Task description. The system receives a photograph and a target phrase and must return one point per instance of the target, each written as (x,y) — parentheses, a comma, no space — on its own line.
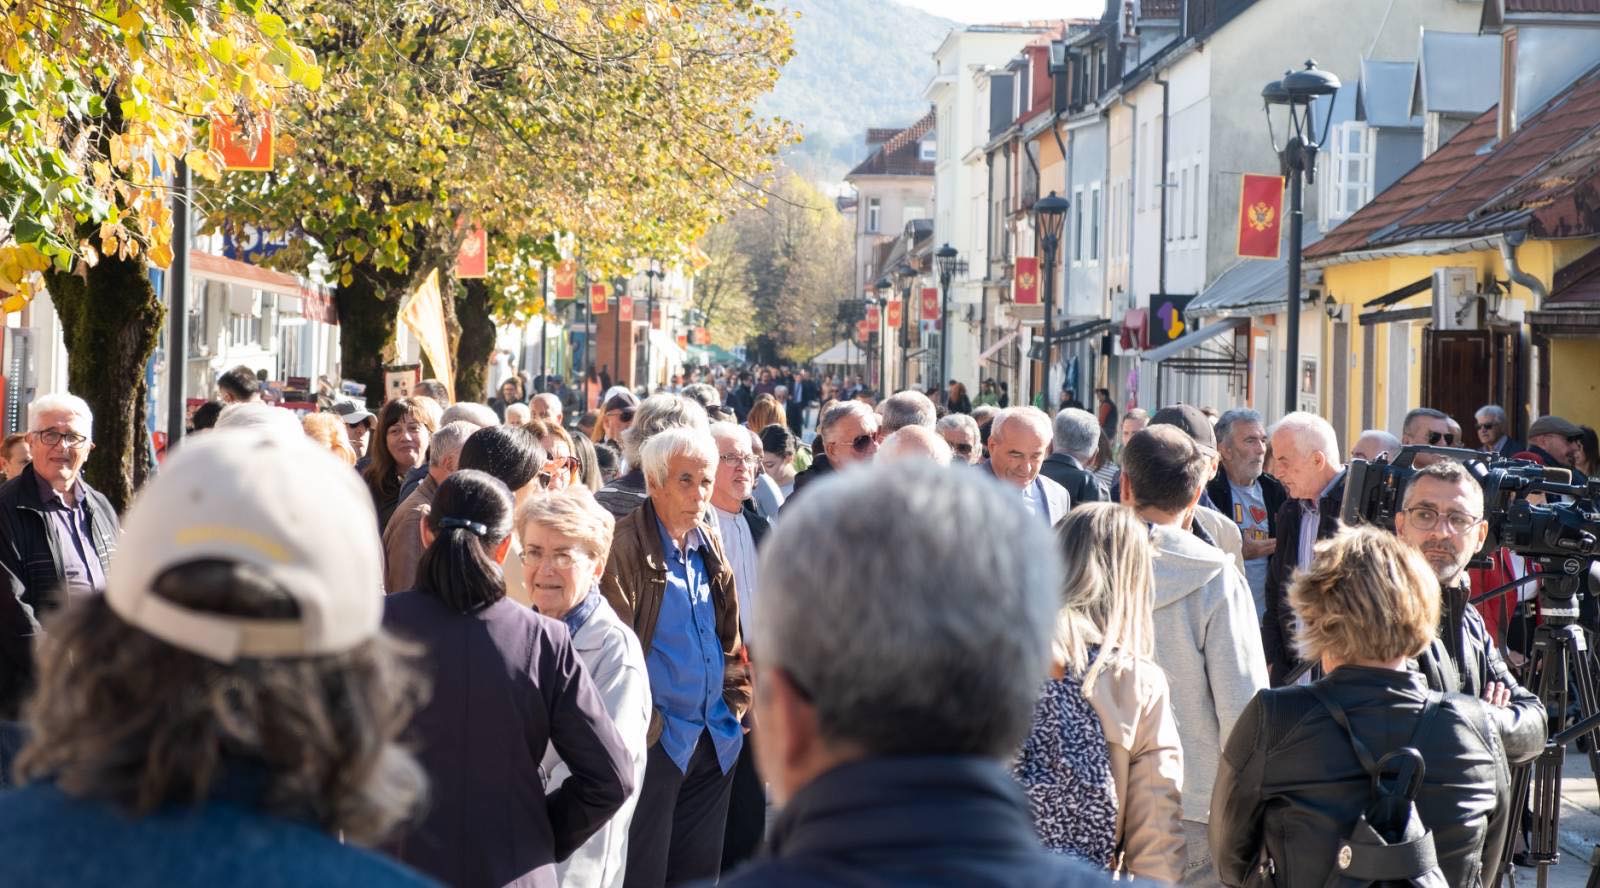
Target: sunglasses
(626,413)
(1486,426)
(864,443)
(566,465)
(1445,437)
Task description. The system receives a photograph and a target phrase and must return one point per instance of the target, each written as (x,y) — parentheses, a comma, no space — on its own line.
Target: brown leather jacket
(635,579)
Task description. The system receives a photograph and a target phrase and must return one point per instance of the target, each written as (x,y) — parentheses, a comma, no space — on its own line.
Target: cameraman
(1443,518)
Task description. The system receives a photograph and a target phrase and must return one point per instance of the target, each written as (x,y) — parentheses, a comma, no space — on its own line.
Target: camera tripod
(1560,663)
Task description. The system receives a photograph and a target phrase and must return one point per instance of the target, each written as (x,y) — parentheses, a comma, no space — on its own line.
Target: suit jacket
(1273,494)
(1057,500)
(1080,483)
(1277,626)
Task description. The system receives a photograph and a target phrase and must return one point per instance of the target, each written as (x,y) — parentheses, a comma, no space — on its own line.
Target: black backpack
(1389,846)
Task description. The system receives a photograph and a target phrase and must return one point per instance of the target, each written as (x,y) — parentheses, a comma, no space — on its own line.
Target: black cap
(1190,420)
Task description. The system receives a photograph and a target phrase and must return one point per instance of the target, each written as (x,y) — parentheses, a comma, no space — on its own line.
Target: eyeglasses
(1424,518)
(566,465)
(864,443)
(734,459)
(1446,437)
(963,449)
(1486,426)
(560,559)
(51,437)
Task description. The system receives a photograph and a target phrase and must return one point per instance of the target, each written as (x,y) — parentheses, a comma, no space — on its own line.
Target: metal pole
(616,341)
(944,330)
(178,306)
(905,335)
(649,323)
(1291,381)
(544,323)
(1049,308)
(588,357)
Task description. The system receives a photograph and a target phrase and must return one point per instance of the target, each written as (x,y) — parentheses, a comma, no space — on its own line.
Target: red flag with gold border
(566,280)
(861,331)
(872,318)
(472,260)
(625,310)
(683,340)
(1025,288)
(893,313)
(1260,216)
(930,304)
(702,336)
(598,302)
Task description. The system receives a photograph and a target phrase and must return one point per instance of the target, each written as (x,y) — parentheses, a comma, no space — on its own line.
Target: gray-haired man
(1077,437)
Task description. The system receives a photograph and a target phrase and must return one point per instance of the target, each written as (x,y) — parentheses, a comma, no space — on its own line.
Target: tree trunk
(477,340)
(110,317)
(368,314)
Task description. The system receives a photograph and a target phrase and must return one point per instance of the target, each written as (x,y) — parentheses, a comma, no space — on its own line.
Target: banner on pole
(930,304)
(625,310)
(566,280)
(872,318)
(239,152)
(1260,216)
(424,314)
(894,314)
(599,303)
(702,336)
(1026,287)
(472,260)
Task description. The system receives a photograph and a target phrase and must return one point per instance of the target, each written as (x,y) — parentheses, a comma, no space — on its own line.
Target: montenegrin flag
(1027,280)
(625,310)
(894,314)
(598,301)
(566,280)
(930,304)
(872,318)
(1260,216)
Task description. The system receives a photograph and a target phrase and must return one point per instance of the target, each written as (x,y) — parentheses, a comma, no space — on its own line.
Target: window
(874,215)
(1194,207)
(1168,201)
(1077,226)
(929,150)
(1094,223)
(1349,188)
(1142,147)
(1185,194)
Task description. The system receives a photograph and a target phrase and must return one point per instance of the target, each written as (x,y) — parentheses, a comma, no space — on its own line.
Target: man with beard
(1244,492)
(1443,518)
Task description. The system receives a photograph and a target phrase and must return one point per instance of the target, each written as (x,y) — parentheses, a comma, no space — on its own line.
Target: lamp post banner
(598,299)
(1026,290)
(1260,216)
(872,318)
(930,303)
(566,280)
(893,312)
(625,310)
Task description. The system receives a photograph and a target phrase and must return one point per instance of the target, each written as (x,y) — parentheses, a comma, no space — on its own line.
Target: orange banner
(930,304)
(872,318)
(655,318)
(702,336)
(861,331)
(683,340)
(566,279)
(237,151)
(472,260)
(598,302)
(1026,290)
(625,310)
(894,314)
(1260,216)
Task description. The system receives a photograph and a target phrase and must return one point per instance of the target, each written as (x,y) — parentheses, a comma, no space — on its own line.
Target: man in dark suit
(1019,439)
(743,396)
(1305,452)
(1494,431)
(1077,437)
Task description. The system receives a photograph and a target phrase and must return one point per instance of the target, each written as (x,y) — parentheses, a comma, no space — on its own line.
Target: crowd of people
(758,628)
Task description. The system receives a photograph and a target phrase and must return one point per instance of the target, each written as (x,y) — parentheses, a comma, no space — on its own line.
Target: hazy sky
(970,11)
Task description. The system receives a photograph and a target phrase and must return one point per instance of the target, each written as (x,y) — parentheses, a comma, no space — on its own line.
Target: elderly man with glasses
(56,532)
(850,434)
(1494,431)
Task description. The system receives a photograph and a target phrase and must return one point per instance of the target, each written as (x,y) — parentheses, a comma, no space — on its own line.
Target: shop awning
(1075,332)
(1135,332)
(1393,296)
(1198,337)
(1001,343)
(842,353)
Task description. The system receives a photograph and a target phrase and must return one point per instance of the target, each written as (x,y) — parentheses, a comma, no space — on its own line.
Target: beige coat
(1132,700)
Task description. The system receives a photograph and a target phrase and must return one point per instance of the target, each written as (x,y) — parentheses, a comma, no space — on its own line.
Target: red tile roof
(1537,179)
(901,154)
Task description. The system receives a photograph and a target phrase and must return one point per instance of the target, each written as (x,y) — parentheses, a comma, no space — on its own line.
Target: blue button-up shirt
(81,570)
(685,662)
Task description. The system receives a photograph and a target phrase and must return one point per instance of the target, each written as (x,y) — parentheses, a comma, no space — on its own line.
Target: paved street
(1580,826)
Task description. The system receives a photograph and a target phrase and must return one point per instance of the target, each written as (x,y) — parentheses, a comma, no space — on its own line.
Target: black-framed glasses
(1426,518)
(733,459)
(1447,438)
(51,437)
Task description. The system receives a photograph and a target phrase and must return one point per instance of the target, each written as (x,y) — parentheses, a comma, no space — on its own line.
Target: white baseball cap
(262,497)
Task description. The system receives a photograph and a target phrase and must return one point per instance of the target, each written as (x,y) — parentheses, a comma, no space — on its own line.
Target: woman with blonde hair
(1104,671)
(328,430)
(1299,773)
(766,411)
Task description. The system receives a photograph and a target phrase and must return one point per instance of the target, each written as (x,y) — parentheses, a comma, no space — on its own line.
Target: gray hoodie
(1209,644)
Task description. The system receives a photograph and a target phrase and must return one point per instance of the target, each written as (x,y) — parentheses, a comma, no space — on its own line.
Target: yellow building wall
(1575,379)
(1355,283)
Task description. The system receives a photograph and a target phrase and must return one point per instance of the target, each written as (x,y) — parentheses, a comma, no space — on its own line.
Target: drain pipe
(1508,255)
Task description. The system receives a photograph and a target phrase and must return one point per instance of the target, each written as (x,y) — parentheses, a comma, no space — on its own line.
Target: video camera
(1561,534)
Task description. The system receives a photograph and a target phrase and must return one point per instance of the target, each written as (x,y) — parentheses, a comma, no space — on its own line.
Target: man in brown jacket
(668,578)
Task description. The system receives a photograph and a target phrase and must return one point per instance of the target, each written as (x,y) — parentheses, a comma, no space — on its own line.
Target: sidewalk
(1580,825)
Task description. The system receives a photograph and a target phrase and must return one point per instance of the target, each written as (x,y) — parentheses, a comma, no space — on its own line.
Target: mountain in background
(857,64)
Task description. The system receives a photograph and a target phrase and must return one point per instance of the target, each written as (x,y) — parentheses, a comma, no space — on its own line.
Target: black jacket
(1290,781)
(925,821)
(1277,625)
(1464,659)
(1273,495)
(1081,484)
(741,399)
(758,525)
(30,554)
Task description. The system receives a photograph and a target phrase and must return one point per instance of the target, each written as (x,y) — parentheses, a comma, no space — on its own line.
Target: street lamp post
(651,273)
(1297,158)
(948,265)
(1049,214)
(907,275)
(619,287)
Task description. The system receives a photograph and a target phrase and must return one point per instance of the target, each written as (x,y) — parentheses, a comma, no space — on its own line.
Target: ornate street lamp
(652,272)
(945,259)
(1049,214)
(906,275)
(1297,158)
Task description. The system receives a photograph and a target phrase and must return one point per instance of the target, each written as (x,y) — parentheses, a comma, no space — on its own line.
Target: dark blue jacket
(914,821)
(50,838)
